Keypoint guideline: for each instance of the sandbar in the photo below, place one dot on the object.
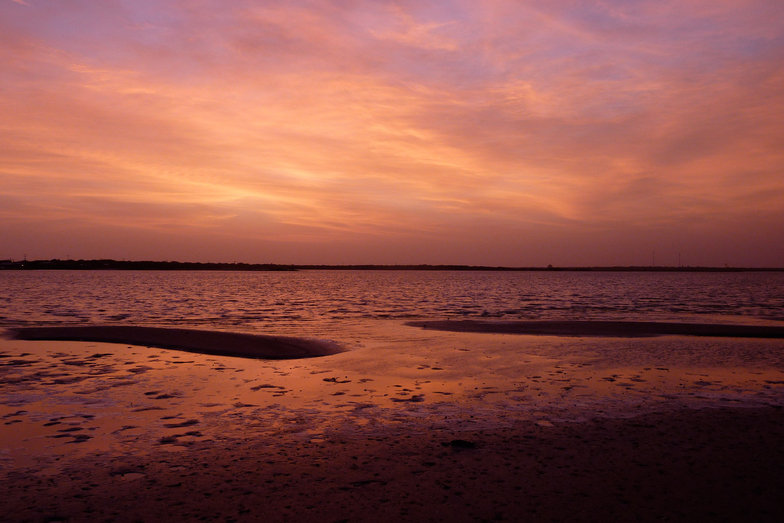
(630, 329)
(217, 343)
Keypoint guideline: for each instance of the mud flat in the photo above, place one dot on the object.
(605, 328)
(409, 425)
(704, 465)
(190, 340)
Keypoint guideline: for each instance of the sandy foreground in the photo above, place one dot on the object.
(409, 424)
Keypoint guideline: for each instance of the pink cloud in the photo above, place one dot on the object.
(368, 124)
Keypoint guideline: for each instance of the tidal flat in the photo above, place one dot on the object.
(407, 424)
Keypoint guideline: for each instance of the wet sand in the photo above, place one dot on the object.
(189, 340)
(409, 425)
(605, 328)
(707, 465)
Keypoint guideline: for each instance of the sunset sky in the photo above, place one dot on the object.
(493, 132)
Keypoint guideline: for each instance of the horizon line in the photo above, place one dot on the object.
(112, 264)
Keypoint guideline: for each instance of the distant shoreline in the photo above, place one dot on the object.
(90, 265)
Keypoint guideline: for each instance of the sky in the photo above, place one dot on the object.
(482, 132)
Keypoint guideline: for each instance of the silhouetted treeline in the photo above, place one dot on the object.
(198, 266)
(140, 265)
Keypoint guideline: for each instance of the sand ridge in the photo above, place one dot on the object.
(191, 340)
(604, 328)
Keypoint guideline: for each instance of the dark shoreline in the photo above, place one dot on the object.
(189, 340)
(122, 265)
(624, 329)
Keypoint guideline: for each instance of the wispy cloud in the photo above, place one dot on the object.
(385, 127)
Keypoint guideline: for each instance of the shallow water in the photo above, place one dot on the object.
(289, 302)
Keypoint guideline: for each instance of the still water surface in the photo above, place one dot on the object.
(255, 301)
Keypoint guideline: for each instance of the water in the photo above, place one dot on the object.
(286, 301)
(64, 401)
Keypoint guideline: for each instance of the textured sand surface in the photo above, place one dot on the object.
(410, 425)
(705, 465)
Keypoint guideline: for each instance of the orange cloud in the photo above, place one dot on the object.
(286, 129)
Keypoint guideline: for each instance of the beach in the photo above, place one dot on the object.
(391, 261)
(406, 424)
(707, 465)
